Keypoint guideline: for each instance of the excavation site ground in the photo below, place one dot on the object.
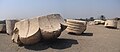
(96, 38)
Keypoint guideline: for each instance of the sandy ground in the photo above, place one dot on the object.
(95, 39)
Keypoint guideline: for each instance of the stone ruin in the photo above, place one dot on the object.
(33, 30)
(76, 26)
(30, 31)
(111, 24)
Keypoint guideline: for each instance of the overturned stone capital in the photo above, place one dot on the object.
(30, 31)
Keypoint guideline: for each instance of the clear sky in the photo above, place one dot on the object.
(10, 9)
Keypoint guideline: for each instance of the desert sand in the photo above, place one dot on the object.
(96, 38)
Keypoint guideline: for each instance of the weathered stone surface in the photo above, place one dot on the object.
(2, 28)
(31, 31)
(51, 27)
(111, 23)
(28, 31)
(10, 26)
(76, 26)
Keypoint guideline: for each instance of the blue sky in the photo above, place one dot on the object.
(12, 9)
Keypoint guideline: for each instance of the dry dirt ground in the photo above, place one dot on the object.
(95, 39)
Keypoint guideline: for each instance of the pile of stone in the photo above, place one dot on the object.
(10, 23)
(76, 26)
(30, 31)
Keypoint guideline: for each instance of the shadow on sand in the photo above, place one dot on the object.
(60, 43)
(86, 34)
(83, 34)
(112, 27)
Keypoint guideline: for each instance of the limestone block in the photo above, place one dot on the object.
(111, 23)
(51, 27)
(28, 31)
(10, 26)
(76, 26)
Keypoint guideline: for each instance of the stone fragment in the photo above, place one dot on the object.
(76, 26)
(111, 24)
(30, 31)
(10, 26)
